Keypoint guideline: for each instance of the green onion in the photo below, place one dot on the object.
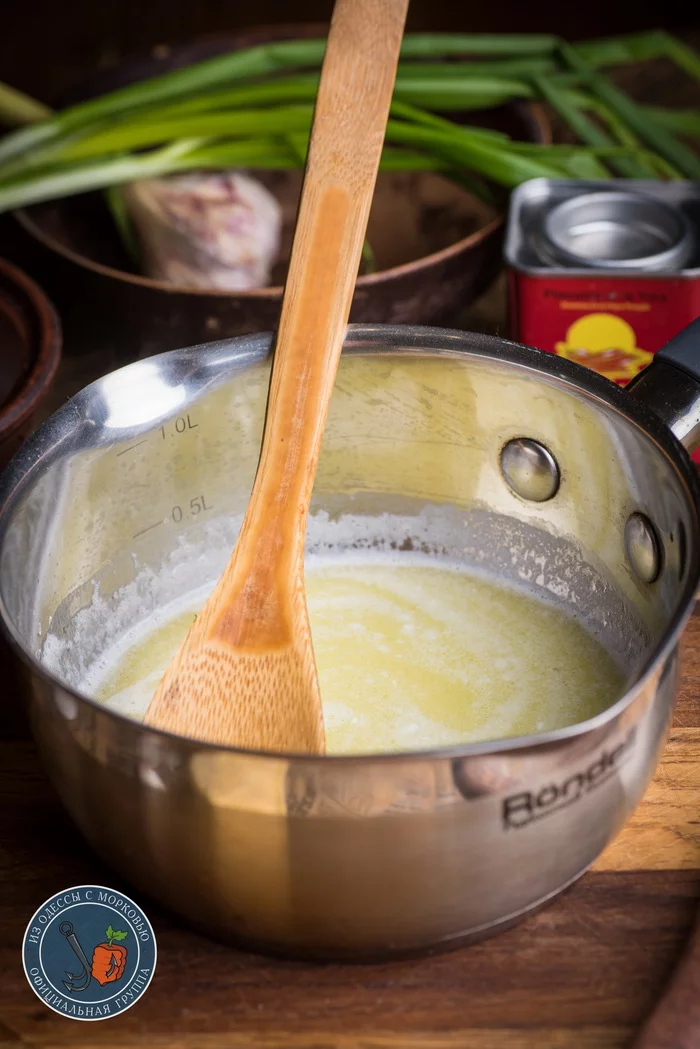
(588, 131)
(683, 121)
(421, 116)
(369, 258)
(467, 93)
(469, 181)
(507, 67)
(490, 160)
(254, 62)
(122, 220)
(684, 56)
(239, 123)
(299, 88)
(192, 118)
(52, 183)
(16, 108)
(640, 122)
(253, 109)
(441, 45)
(619, 50)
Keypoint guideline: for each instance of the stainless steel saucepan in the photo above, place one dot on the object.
(492, 453)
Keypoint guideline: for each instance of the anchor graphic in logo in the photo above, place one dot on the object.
(108, 959)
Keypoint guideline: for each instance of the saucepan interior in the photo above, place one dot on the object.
(132, 495)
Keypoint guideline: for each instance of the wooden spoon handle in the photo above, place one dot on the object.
(245, 674)
(675, 1022)
(350, 117)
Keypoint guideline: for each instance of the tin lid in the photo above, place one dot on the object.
(616, 230)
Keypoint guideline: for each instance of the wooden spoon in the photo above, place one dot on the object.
(245, 674)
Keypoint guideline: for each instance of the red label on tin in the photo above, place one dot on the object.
(613, 325)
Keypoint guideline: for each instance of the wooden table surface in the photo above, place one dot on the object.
(581, 974)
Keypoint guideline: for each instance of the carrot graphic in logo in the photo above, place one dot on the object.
(109, 959)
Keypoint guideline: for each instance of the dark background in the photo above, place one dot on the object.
(46, 46)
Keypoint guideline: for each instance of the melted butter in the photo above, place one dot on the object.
(410, 655)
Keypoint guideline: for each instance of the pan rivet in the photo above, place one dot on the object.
(530, 469)
(642, 548)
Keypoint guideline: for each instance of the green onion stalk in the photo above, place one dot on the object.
(253, 109)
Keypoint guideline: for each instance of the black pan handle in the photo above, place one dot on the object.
(683, 351)
(670, 385)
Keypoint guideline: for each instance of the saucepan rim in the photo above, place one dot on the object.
(392, 340)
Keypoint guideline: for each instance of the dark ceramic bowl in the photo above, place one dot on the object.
(437, 246)
(30, 349)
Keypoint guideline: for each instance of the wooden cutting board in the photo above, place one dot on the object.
(581, 974)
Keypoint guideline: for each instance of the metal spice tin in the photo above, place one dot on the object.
(603, 272)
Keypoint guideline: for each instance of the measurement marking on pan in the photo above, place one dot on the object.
(197, 505)
(131, 447)
(144, 530)
(179, 425)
